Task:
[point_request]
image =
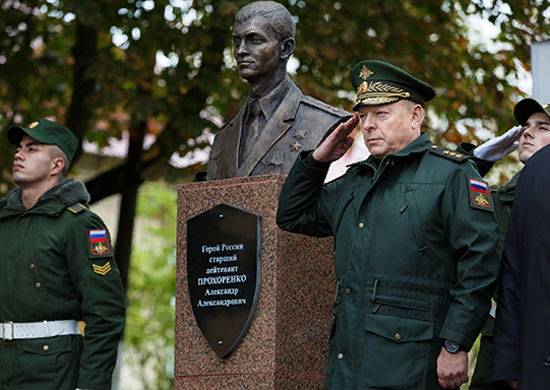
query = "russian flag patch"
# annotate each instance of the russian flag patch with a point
(480, 194)
(99, 243)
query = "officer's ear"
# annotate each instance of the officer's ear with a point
(287, 48)
(417, 115)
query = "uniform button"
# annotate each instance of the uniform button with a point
(361, 225)
(38, 285)
(340, 356)
(45, 347)
(347, 291)
(397, 336)
(32, 266)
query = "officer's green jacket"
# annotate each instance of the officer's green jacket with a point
(415, 262)
(49, 271)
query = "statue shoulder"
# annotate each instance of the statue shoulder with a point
(232, 123)
(315, 104)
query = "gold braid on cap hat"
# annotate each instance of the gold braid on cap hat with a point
(378, 92)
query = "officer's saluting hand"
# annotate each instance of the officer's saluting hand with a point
(414, 237)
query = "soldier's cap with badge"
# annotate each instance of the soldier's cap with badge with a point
(378, 82)
(527, 107)
(49, 133)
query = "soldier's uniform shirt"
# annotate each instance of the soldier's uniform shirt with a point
(56, 263)
(415, 260)
(504, 200)
(289, 123)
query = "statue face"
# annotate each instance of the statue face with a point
(256, 49)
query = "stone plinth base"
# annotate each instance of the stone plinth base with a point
(286, 345)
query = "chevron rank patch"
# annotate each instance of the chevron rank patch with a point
(102, 269)
(99, 243)
(480, 194)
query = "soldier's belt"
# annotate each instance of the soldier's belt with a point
(37, 330)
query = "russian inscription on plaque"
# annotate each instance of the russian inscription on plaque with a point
(223, 269)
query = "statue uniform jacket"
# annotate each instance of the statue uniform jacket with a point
(299, 123)
(415, 261)
(50, 270)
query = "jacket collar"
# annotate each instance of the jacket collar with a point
(66, 193)
(270, 102)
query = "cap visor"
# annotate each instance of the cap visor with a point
(15, 133)
(525, 108)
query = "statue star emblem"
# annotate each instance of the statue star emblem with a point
(365, 73)
(295, 147)
(300, 135)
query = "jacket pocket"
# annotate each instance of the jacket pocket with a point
(402, 308)
(48, 363)
(396, 352)
(411, 208)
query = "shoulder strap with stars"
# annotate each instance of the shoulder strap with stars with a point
(451, 155)
(77, 208)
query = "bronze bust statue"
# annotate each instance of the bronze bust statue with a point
(277, 121)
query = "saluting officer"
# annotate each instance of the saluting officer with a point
(56, 268)
(415, 240)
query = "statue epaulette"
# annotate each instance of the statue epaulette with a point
(77, 208)
(451, 155)
(323, 106)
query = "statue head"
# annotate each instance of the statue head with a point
(263, 39)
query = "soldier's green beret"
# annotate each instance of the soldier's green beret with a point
(379, 82)
(49, 133)
(527, 107)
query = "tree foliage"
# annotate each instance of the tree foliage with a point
(149, 335)
(122, 87)
(164, 68)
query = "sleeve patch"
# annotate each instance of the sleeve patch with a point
(480, 195)
(102, 270)
(99, 243)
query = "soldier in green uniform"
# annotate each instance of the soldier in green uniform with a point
(415, 238)
(56, 269)
(530, 136)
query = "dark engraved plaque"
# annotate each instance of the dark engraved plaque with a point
(223, 269)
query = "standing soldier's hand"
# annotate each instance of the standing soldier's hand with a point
(337, 143)
(501, 146)
(452, 369)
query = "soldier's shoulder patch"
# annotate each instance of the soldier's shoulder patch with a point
(77, 208)
(99, 243)
(449, 154)
(102, 269)
(480, 195)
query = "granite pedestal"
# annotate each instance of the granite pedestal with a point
(287, 342)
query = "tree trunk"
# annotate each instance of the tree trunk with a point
(84, 79)
(128, 201)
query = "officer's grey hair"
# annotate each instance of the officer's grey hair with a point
(56, 152)
(281, 20)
